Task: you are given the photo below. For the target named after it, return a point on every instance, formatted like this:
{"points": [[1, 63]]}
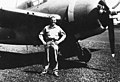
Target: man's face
{"points": [[53, 20]]}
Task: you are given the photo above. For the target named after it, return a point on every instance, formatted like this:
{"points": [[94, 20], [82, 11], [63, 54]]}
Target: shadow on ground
{"points": [[13, 60], [93, 50], [67, 64]]}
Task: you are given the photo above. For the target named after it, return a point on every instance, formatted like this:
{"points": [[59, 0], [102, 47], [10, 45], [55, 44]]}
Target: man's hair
{"points": [[53, 17]]}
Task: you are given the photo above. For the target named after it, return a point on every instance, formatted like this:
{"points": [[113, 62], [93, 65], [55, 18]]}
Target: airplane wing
{"points": [[22, 26], [22, 15], [32, 13]]}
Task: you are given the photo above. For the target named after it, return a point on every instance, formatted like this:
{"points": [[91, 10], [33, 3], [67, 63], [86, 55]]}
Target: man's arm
{"points": [[42, 39], [41, 36]]}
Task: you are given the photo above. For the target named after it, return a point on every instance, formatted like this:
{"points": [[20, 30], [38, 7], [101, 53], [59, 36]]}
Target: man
{"points": [[51, 36]]}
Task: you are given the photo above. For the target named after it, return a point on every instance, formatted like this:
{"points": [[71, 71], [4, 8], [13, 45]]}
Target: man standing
{"points": [[51, 36]]}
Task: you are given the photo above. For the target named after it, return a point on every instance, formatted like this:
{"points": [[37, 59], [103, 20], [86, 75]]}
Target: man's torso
{"points": [[52, 32]]}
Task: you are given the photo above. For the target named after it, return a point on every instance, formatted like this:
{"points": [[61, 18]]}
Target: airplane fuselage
{"points": [[79, 18]]}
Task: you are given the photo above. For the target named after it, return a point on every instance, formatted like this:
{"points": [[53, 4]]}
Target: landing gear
{"points": [[85, 54], [71, 48]]}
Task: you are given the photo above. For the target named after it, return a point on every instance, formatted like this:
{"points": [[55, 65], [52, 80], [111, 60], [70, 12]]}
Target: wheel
{"points": [[85, 55]]}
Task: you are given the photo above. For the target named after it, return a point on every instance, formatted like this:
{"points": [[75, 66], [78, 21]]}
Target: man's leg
{"points": [[55, 70], [46, 61], [56, 60]]}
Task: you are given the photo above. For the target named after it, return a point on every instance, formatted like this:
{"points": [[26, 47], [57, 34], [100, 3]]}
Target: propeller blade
{"points": [[110, 25], [111, 36]]}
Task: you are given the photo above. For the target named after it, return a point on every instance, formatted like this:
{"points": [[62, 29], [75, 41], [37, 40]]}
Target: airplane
{"points": [[80, 19]]}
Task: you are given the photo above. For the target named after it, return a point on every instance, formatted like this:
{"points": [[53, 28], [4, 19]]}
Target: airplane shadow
{"points": [[67, 64], [10, 60], [93, 50], [13, 60]]}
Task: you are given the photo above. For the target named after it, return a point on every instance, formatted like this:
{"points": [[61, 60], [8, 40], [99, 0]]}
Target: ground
{"points": [[102, 67]]}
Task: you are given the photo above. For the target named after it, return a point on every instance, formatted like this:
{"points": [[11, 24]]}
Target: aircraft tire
{"points": [[85, 55]]}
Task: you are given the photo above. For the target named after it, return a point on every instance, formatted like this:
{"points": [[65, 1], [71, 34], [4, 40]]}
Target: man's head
{"points": [[53, 20]]}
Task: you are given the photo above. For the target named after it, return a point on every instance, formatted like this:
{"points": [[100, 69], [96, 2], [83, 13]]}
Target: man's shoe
{"points": [[44, 72], [113, 55], [56, 73]]}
